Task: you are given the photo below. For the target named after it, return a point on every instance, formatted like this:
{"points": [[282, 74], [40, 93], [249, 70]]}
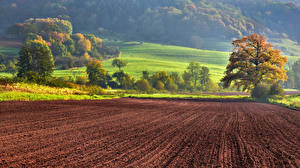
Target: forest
{"points": [[179, 22]]}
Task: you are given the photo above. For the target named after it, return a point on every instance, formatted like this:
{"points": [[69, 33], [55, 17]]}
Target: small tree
{"points": [[276, 89], [2, 68], [159, 85], [119, 63], [204, 78], [161, 76], [96, 73], [35, 58], [171, 85], [143, 85], [125, 80], [146, 75], [194, 69], [187, 78], [254, 61], [12, 67]]}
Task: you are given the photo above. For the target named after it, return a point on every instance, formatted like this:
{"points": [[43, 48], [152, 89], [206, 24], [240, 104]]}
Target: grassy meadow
{"points": [[157, 57], [33, 92], [25, 96]]}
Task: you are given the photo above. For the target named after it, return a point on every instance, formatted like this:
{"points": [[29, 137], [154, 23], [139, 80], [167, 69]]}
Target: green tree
{"points": [[119, 63], [177, 80], [187, 78], [146, 75], [96, 73], [194, 69], [12, 67], [159, 85], [296, 70], [2, 68], [204, 78], [171, 85], [290, 83], [59, 50], [35, 57], [254, 61], [125, 80], [143, 85], [161, 76]]}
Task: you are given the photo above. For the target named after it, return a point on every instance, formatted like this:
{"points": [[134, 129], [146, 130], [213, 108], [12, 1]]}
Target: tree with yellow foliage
{"points": [[254, 61]]}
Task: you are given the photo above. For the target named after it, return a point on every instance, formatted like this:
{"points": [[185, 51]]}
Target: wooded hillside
{"points": [[182, 22]]}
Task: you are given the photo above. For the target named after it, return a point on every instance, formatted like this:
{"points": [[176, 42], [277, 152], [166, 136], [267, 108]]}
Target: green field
{"points": [[9, 51], [156, 57]]}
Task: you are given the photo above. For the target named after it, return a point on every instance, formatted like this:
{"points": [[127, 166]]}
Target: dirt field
{"points": [[148, 133]]}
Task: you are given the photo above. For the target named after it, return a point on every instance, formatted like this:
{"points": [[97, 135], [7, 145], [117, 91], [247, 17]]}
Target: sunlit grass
{"points": [[292, 101], [39, 89], [25, 96], [166, 95]]}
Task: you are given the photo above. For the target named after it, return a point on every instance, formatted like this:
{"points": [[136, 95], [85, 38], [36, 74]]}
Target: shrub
{"points": [[56, 82], [261, 91], [143, 85], [94, 90], [81, 80], [171, 86], [276, 90], [159, 85], [113, 84], [2, 68]]}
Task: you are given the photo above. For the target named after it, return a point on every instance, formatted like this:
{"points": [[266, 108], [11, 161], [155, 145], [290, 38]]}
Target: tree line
{"points": [[36, 64], [194, 78], [254, 65]]}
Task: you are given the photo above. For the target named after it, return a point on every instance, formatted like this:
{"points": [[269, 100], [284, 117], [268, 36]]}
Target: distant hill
{"points": [[297, 2], [177, 22]]}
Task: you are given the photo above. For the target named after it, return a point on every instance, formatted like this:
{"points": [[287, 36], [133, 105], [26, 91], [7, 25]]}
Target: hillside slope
{"points": [[156, 57], [179, 22]]}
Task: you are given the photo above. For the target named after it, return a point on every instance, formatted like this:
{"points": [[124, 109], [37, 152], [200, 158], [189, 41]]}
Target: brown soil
{"points": [[148, 133]]}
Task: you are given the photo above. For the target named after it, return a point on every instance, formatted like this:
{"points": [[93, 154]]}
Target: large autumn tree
{"points": [[254, 61]]}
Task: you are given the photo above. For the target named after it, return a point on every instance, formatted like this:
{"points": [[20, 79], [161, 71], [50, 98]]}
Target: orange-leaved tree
{"points": [[254, 61]]}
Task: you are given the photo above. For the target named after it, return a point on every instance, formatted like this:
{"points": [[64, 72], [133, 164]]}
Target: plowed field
{"points": [[148, 133]]}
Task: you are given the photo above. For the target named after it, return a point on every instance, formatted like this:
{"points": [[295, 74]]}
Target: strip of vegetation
{"points": [[292, 102], [24, 96], [183, 96]]}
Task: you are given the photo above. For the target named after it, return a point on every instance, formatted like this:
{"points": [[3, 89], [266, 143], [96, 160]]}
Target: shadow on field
{"points": [[225, 100]]}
